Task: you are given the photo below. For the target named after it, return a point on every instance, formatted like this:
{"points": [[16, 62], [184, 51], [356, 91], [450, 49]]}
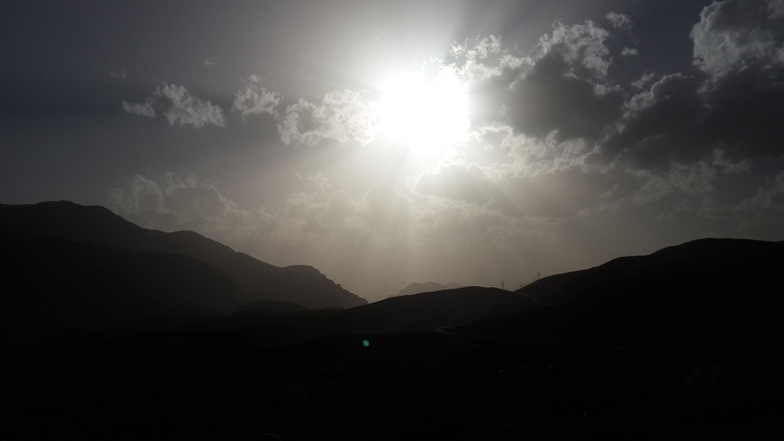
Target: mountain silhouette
{"points": [[50, 285], [417, 288], [424, 311], [96, 225], [705, 290]]}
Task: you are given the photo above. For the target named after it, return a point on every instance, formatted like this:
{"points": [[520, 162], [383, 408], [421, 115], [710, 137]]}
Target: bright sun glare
{"points": [[427, 115]]}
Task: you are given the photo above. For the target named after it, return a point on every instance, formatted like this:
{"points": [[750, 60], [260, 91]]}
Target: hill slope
{"points": [[425, 311], [418, 288], [98, 226], [49, 285], [703, 290]]}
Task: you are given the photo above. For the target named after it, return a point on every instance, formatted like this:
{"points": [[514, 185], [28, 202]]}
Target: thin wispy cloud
{"points": [[178, 106]]}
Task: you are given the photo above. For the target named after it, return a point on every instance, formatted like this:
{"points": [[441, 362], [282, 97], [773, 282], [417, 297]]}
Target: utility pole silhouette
{"points": [[502, 285]]}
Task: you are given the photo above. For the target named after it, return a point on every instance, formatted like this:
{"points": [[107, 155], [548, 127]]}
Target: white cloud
{"points": [[255, 99], [644, 80], [734, 35], [580, 44], [619, 21], [483, 59], [342, 116], [629, 52], [186, 109], [141, 109], [178, 106]]}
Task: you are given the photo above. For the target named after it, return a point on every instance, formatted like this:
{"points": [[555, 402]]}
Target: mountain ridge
{"points": [[421, 287], [99, 226], [700, 290]]}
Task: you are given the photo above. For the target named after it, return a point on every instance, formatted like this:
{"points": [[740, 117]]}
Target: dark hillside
{"points": [[703, 290], [425, 311], [99, 226], [50, 285]]}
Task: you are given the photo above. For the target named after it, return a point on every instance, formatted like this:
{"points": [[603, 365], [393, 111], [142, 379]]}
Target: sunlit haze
{"points": [[386, 143]]}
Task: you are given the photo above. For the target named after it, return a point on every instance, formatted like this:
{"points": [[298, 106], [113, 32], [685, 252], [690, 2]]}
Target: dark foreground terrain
{"points": [[111, 331], [437, 385]]}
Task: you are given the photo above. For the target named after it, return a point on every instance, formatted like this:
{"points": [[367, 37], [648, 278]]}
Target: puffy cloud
{"points": [[739, 44], [551, 99], [731, 105], [561, 95], [629, 52], [183, 108], [644, 80], [734, 35], [341, 116], [579, 45], [178, 106], [619, 21], [561, 90], [255, 99], [483, 59]]}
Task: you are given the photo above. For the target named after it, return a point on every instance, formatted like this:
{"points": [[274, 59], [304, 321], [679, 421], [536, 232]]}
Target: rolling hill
{"points": [[95, 225], [705, 290], [425, 311], [417, 288], [50, 285]]}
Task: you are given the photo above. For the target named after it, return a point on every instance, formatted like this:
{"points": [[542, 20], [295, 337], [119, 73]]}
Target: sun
{"points": [[427, 115]]}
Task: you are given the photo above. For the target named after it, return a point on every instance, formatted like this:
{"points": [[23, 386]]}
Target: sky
{"points": [[385, 143]]}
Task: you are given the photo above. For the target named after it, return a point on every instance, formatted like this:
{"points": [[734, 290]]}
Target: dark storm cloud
{"points": [[734, 35], [659, 123], [732, 105], [551, 98], [562, 89], [740, 46]]}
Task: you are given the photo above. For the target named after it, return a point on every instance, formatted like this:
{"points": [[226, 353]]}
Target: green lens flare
{"points": [[365, 343]]}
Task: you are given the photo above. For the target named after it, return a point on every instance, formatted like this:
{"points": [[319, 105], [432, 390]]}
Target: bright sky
{"points": [[387, 143]]}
